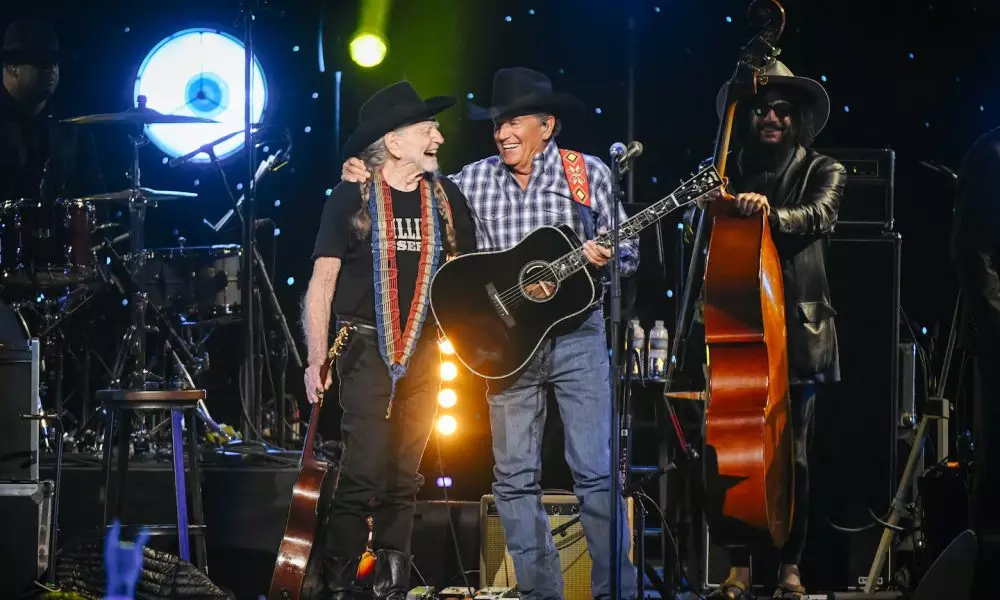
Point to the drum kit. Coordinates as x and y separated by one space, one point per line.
56 256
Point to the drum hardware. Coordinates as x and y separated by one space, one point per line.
138 116
45 244
138 198
149 195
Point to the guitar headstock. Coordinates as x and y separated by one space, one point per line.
701 183
343 336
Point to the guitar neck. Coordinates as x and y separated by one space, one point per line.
309 444
574 261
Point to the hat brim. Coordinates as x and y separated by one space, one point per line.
558 103
29 56
369 131
809 87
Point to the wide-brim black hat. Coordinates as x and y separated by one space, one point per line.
521 91
780 76
391 108
29 41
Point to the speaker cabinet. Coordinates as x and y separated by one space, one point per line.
19 380
854 458
496 567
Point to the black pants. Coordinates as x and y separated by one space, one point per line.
803 411
378 476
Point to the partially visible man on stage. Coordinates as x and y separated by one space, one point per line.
773 169
975 245
378 247
525 186
34 144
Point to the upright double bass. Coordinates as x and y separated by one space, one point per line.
748 457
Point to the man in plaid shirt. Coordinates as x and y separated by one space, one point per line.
522 188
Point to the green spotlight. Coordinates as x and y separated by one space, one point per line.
368 49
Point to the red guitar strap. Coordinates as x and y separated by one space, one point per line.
576 176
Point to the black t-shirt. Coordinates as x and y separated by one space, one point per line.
355 291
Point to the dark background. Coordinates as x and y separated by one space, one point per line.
918 77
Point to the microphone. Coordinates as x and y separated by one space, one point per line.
623 154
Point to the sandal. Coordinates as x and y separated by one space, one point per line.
787 591
733 589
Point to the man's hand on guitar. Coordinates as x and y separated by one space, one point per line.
315 388
354 171
595 254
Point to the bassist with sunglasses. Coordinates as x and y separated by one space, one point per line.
774 170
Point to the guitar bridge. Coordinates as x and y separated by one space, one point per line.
499 306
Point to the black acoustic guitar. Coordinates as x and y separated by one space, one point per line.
496 307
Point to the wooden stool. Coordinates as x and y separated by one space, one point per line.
181 403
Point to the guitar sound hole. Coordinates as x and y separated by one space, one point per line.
538 282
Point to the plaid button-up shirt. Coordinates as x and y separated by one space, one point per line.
504 213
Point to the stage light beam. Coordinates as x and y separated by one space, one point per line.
368 50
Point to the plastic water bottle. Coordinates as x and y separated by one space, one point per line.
637 348
658 354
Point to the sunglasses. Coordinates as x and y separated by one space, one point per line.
781 109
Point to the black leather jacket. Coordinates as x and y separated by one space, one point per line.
804 199
975 239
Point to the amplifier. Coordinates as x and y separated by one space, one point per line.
869 195
19 381
24 545
496 567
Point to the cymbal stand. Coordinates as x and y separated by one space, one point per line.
134 341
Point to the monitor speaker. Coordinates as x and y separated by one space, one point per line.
496 567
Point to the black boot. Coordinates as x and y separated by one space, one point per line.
338 578
392 575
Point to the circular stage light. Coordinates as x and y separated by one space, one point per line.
200 73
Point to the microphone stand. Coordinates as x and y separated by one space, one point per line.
258 262
616 378
250 397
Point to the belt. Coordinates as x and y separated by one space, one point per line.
361 325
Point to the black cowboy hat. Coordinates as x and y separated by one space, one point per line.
521 91
30 41
390 108
780 76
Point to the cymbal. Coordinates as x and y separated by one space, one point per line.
137 116
145 193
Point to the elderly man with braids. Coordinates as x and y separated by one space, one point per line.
378 246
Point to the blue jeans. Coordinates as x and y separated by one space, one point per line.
576 365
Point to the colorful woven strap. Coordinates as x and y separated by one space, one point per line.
397 346
576 176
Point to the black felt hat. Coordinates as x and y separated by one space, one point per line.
29 41
780 76
390 108
521 91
